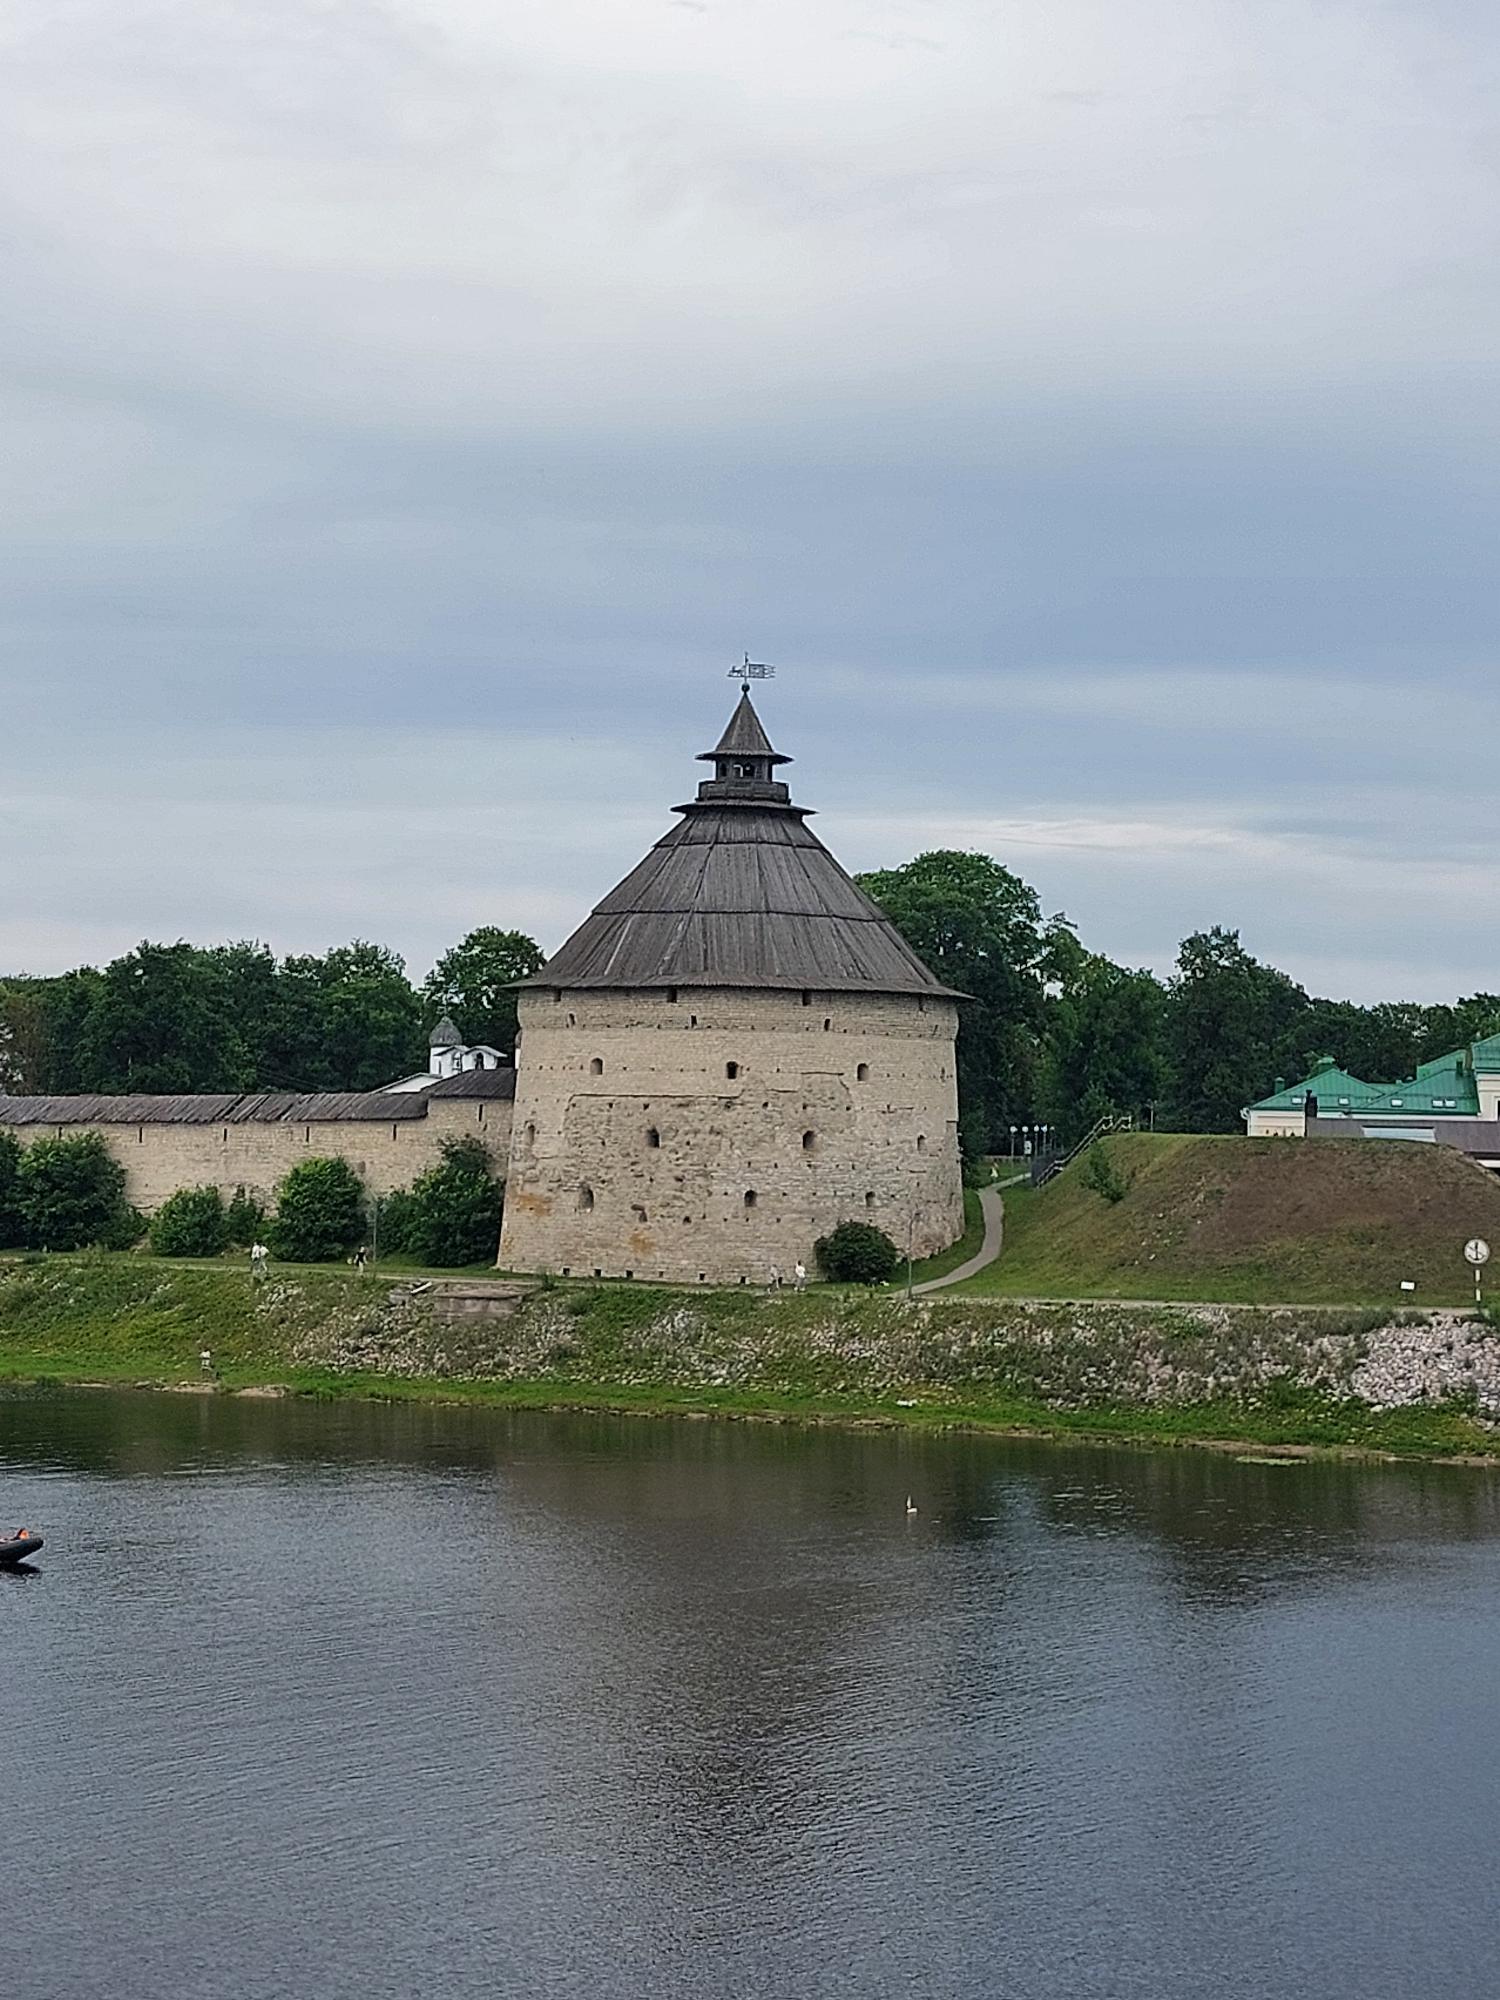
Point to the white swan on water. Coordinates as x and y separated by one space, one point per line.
911 1505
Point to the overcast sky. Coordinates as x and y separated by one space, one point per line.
411 408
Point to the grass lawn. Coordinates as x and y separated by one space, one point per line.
1251 1221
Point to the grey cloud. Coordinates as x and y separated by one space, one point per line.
408 412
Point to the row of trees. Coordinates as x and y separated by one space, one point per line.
1058 1034
68 1194
1054 1032
183 1017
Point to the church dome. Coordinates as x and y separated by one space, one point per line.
740 893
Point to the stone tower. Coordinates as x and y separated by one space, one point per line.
735 1053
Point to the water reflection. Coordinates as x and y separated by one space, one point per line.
385 1699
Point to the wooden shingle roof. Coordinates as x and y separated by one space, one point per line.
241 1108
740 893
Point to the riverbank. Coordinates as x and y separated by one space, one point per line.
1294 1378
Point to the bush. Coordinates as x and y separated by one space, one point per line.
244 1220
397 1224
125 1231
857 1253
71 1192
1102 1176
455 1208
320 1212
12 1222
190 1223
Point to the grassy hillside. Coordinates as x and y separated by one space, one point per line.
1266 1221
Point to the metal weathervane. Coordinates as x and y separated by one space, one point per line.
751 670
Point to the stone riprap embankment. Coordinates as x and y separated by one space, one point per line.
1068 1356
1436 1359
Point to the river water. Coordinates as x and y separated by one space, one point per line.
376 1701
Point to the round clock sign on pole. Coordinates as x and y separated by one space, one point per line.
1478 1253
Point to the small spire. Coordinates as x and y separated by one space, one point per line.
445 1035
744 736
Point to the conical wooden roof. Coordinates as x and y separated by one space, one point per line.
740 893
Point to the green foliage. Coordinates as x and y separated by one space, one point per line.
320 1212
978 928
125 1230
1102 1176
244 1220
12 1220
857 1253
71 1192
397 1224
472 983
1103 1045
23 1035
354 1020
190 1223
455 1214
183 1017
1226 1016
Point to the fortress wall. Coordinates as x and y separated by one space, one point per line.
159 1159
843 1108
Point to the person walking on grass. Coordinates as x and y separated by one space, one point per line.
258 1255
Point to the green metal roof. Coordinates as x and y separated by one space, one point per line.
1486 1055
1443 1087
1331 1085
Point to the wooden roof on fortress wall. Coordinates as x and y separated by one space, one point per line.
326 1107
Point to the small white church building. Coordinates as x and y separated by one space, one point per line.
449 1055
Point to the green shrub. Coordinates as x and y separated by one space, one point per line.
320 1212
1102 1176
12 1221
126 1229
455 1208
244 1220
857 1253
71 1191
190 1223
397 1223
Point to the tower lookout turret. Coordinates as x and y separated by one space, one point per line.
734 1053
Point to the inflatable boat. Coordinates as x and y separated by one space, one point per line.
18 1548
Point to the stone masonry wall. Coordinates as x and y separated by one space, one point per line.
715 1135
159 1159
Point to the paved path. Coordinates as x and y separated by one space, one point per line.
989 1249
